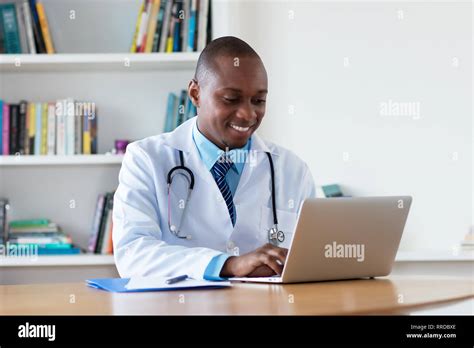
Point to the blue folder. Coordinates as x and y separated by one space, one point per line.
118 285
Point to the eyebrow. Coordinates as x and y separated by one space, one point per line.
238 90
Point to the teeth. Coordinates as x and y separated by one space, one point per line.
240 129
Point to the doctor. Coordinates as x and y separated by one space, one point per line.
220 228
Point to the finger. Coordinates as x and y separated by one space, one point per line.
279 253
271 262
261 271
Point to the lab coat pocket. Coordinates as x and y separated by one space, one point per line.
286 224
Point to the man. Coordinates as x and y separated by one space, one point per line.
222 231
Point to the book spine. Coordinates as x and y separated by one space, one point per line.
143 27
14 121
70 127
86 136
165 26
96 223
60 128
177 28
93 130
152 25
1 129
44 28
192 26
44 128
185 25
103 221
51 129
159 25
22 127
20 19
78 131
137 28
40 46
29 28
32 127
6 129
202 24
11 34
38 129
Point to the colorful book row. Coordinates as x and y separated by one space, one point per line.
24 28
178 110
172 26
66 127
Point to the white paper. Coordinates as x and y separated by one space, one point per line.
142 283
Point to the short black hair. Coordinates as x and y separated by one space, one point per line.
229 46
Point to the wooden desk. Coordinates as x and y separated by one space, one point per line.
392 295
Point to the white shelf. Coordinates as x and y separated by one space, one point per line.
57 260
27 160
97 62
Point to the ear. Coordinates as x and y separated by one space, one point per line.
193 92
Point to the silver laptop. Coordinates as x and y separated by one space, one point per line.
343 238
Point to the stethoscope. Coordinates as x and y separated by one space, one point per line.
275 236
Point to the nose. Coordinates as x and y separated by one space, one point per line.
246 112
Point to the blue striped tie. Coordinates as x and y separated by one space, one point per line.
219 171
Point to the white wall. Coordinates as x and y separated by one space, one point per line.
333 64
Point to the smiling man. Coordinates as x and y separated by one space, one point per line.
202 200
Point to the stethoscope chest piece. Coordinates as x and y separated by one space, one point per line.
275 236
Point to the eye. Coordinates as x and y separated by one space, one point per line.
230 99
260 101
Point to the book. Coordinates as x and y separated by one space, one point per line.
143 26
29 27
202 24
44 28
29 223
22 108
21 27
51 133
31 127
191 46
99 209
70 112
133 49
159 25
165 26
14 122
38 133
39 41
155 7
44 128
4 209
11 35
6 129
1 127
103 221
185 24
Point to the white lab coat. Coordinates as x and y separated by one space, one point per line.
143 243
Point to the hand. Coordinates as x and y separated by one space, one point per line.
266 261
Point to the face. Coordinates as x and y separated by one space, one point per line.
230 101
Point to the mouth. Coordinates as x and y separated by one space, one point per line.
240 129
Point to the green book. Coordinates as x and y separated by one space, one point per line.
9 25
30 223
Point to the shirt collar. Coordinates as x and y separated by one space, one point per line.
210 153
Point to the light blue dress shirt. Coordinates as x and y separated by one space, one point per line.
209 154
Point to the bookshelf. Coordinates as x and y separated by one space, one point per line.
130 91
